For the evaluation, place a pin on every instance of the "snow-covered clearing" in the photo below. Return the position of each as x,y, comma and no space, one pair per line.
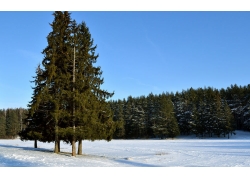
180,152
180,156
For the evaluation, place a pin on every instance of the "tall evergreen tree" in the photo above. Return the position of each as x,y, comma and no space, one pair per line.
68,95
138,120
117,108
166,124
151,115
86,94
2,124
128,114
12,124
39,123
229,123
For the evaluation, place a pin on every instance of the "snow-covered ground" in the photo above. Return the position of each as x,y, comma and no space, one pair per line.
180,152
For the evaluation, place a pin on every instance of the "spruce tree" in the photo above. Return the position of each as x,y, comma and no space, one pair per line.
68,95
151,114
184,113
229,123
166,124
126,117
117,108
138,121
2,124
88,100
142,114
38,121
246,116
55,62
12,124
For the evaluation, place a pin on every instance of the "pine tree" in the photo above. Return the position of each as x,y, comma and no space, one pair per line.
128,114
151,114
138,120
12,124
142,113
166,124
146,123
56,57
2,124
67,96
88,99
229,123
246,116
38,121
183,109
117,108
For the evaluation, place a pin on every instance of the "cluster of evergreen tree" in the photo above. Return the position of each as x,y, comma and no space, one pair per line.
203,112
68,103
11,122
238,98
145,117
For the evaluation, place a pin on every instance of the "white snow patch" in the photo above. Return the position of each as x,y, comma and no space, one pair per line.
183,151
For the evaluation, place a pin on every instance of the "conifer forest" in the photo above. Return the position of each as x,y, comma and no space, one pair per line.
69,105
205,112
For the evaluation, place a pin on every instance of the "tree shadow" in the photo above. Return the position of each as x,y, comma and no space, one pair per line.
27,148
135,164
9,162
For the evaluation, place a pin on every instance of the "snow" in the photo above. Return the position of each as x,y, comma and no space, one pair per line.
183,151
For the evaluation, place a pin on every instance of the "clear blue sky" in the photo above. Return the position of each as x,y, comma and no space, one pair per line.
139,52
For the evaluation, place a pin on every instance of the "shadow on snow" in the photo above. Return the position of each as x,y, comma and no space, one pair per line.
27,148
134,164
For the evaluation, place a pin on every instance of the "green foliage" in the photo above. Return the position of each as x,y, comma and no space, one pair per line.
2,124
166,124
118,117
68,103
205,112
12,124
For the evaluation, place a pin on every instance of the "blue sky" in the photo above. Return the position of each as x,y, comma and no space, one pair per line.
139,52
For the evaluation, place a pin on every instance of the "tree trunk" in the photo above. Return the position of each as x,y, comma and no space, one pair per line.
73,147
56,147
79,147
35,143
56,150
73,110
59,146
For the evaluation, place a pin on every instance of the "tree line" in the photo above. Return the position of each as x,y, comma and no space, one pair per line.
205,112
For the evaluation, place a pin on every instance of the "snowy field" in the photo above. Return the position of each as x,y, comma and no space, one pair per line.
180,152
182,157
